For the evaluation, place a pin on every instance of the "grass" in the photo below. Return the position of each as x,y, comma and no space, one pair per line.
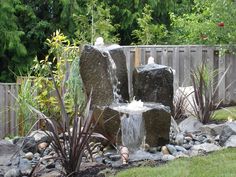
224,113
217,164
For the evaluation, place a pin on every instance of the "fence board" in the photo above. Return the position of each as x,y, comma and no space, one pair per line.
8,117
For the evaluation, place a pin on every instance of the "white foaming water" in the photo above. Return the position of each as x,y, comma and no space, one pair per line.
132,108
132,124
111,70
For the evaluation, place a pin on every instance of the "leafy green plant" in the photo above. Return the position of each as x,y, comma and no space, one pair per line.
26,118
148,32
205,92
204,24
63,58
97,22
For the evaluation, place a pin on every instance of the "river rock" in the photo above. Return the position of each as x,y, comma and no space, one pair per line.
29,145
167,157
179,140
15,172
171,149
154,83
96,72
212,129
190,124
165,150
228,130
206,147
29,155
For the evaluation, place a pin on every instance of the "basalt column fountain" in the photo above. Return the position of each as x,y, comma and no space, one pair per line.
135,124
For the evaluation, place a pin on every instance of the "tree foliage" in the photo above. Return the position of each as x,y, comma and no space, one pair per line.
210,22
26,24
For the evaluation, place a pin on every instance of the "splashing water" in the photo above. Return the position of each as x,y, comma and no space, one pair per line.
133,130
132,124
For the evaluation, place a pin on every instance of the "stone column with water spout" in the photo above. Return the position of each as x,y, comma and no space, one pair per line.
103,70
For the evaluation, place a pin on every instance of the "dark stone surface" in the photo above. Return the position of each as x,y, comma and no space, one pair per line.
157,125
94,69
108,123
156,120
29,145
154,83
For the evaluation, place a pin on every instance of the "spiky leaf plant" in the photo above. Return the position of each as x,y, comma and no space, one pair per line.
205,92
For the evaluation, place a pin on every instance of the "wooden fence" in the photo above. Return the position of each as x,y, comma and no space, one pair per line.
181,58
8,116
185,58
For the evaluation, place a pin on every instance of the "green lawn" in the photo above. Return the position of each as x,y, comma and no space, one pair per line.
217,164
224,113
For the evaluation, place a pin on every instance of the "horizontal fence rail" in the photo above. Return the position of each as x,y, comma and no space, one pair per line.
183,59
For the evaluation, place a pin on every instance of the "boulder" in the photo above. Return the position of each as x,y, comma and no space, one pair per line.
104,71
212,129
231,142
190,124
7,152
154,83
228,130
154,122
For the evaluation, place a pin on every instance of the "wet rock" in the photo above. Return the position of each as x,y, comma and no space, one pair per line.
212,129
108,123
231,142
95,69
15,172
154,83
190,124
157,125
156,120
228,130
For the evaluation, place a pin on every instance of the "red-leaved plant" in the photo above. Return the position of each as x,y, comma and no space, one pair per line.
205,92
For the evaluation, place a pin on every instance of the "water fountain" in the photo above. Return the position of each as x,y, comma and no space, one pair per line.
135,125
